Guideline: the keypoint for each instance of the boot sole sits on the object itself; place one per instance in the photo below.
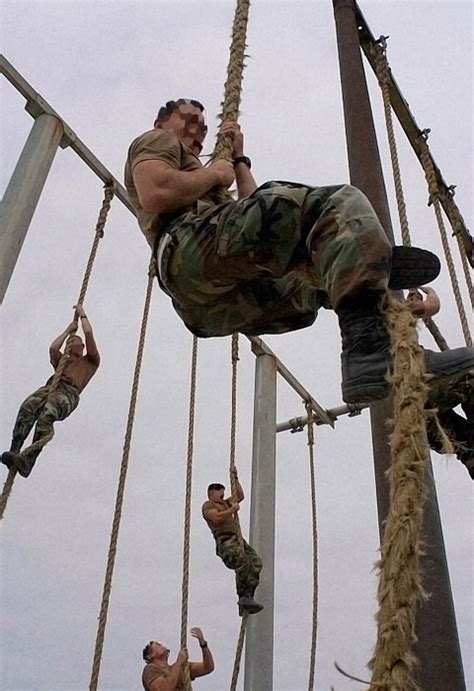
(366, 393)
(412, 267)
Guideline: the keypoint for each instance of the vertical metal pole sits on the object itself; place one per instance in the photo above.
(259, 642)
(438, 646)
(23, 191)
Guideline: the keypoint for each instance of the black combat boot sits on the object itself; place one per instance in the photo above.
(21, 461)
(365, 356)
(247, 604)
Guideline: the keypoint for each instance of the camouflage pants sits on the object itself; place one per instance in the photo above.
(36, 408)
(268, 262)
(242, 559)
(445, 395)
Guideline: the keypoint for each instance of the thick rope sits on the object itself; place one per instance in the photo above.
(383, 76)
(434, 199)
(232, 87)
(187, 506)
(314, 516)
(223, 149)
(99, 644)
(6, 491)
(456, 225)
(42, 441)
(238, 652)
(233, 426)
(384, 80)
(400, 588)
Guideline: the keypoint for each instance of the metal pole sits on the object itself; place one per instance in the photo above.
(438, 646)
(23, 191)
(259, 643)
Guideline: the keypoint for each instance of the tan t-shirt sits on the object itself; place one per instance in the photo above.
(157, 145)
(228, 526)
(152, 672)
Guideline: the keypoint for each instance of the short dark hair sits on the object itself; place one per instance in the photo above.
(215, 485)
(170, 106)
(146, 651)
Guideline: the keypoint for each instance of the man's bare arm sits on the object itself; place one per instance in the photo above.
(206, 666)
(431, 304)
(55, 353)
(219, 516)
(92, 351)
(162, 189)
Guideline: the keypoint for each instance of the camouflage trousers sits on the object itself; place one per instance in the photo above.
(242, 559)
(268, 262)
(36, 408)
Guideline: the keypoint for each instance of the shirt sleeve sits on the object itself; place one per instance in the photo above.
(156, 145)
(149, 675)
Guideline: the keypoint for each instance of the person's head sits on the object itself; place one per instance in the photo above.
(215, 491)
(155, 652)
(77, 346)
(185, 117)
(414, 296)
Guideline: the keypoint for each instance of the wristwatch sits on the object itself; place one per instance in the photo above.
(243, 159)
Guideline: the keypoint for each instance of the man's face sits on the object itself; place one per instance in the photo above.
(158, 651)
(77, 346)
(188, 124)
(216, 494)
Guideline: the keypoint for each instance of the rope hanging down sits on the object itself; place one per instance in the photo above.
(99, 644)
(314, 516)
(223, 149)
(40, 443)
(400, 588)
(383, 76)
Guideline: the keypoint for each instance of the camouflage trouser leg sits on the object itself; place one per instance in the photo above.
(242, 559)
(45, 413)
(267, 263)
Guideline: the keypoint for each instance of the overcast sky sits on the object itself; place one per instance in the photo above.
(106, 67)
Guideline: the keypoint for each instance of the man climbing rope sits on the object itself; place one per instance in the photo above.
(267, 262)
(235, 552)
(77, 373)
(448, 393)
(158, 675)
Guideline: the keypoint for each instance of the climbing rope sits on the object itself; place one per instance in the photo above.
(400, 589)
(223, 149)
(238, 652)
(99, 644)
(40, 443)
(187, 506)
(434, 200)
(233, 425)
(383, 75)
(314, 516)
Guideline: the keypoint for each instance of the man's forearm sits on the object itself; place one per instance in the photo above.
(245, 181)
(207, 659)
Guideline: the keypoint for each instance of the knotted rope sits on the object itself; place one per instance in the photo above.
(42, 441)
(99, 644)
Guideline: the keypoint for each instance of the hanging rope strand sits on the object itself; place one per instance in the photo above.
(383, 78)
(99, 644)
(238, 652)
(187, 507)
(434, 199)
(40, 443)
(314, 516)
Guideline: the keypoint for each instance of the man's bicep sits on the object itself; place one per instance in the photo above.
(148, 176)
(158, 685)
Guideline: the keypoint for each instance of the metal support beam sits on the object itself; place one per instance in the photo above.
(24, 190)
(259, 642)
(438, 646)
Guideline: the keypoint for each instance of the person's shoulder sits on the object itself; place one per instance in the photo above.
(208, 504)
(153, 137)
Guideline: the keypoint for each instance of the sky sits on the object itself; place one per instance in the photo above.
(106, 67)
